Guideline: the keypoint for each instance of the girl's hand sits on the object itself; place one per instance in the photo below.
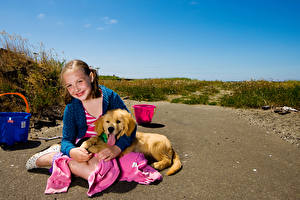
(109, 153)
(80, 154)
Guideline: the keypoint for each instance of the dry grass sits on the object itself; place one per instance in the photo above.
(31, 71)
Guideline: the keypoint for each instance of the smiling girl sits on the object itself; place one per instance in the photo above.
(86, 102)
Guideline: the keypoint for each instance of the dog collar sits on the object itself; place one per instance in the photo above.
(103, 137)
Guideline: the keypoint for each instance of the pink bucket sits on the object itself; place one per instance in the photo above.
(143, 113)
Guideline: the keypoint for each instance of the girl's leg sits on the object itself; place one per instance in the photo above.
(45, 160)
(83, 169)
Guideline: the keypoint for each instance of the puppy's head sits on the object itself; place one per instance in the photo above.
(117, 122)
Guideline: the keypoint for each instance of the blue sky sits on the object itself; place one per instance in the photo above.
(227, 40)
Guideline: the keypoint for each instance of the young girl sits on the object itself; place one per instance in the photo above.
(86, 102)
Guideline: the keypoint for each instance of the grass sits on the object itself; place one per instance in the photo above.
(254, 94)
(159, 89)
(34, 72)
(245, 94)
(193, 99)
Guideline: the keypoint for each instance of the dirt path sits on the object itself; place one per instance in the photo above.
(225, 154)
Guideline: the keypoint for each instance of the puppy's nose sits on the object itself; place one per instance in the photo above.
(111, 129)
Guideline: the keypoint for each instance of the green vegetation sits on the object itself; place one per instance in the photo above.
(109, 78)
(193, 99)
(245, 94)
(254, 94)
(163, 89)
(36, 75)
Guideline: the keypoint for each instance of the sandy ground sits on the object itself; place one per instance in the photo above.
(226, 154)
(287, 126)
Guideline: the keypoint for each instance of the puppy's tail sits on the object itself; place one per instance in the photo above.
(176, 164)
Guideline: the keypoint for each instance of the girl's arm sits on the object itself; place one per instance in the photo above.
(69, 131)
(69, 137)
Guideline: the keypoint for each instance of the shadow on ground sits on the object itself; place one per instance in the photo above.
(152, 125)
(20, 145)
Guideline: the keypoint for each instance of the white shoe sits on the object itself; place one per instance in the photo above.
(31, 162)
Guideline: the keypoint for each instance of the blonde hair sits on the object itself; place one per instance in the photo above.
(79, 64)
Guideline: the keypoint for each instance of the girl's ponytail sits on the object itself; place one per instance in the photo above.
(96, 92)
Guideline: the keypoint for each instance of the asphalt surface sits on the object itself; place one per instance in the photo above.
(223, 158)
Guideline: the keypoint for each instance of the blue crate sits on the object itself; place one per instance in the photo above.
(14, 127)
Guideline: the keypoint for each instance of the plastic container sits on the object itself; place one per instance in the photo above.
(143, 113)
(14, 126)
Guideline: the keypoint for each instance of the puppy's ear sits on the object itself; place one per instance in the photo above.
(131, 124)
(99, 126)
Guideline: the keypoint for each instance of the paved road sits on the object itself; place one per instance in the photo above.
(223, 157)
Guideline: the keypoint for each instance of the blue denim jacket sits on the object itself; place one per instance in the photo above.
(74, 121)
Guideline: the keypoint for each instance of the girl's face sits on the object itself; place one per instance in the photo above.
(78, 84)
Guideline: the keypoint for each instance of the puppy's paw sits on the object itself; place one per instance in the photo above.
(160, 165)
(157, 165)
(85, 145)
(93, 149)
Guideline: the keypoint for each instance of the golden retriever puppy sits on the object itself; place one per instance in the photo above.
(116, 123)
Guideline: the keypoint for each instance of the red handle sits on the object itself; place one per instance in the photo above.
(21, 95)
